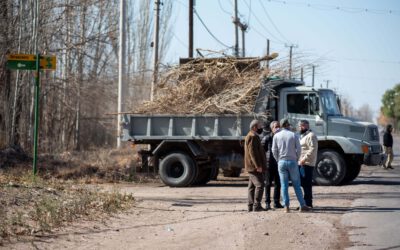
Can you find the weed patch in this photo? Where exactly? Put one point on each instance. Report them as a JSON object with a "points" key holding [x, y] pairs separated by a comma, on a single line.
{"points": [[36, 206]]}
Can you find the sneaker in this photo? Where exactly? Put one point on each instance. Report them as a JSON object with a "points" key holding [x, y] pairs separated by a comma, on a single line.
{"points": [[305, 209], [287, 210], [278, 205]]}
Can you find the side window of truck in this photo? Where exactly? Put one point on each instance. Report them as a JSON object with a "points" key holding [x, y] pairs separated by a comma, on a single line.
{"points": [[297, 103], [314, 104]]}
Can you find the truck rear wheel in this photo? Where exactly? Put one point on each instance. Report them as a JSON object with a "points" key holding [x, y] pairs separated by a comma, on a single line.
{"points": [[203, 176], [178, 170], [330, 168]]}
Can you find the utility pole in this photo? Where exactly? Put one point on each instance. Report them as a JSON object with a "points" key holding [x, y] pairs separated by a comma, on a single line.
{"points": [[327, 83], [121, 69], [235, 21], [290, 58], [243, 27], [267, 53], [191, 5], [155, 54], [313, 74], [302, 74]]}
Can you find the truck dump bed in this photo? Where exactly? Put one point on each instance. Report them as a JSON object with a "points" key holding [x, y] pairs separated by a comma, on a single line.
{"points": [[147, 128]]}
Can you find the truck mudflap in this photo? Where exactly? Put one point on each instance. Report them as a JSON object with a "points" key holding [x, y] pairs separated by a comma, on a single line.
{"points": [[374, 159]]}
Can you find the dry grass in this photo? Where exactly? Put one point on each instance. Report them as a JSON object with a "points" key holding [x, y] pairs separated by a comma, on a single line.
{"points": [[36, 206], [92, 166], [223, 86]]}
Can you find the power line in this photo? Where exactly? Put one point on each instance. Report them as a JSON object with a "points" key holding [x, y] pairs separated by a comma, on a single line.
{"points": [[262, 25], [179, 40], [272, 22], [365, 60], [222, 8], [209, 32], [248, 19], [327, 7]]}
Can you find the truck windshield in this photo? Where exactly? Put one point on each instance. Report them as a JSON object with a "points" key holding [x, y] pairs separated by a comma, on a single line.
{"points": [[329, 103]]}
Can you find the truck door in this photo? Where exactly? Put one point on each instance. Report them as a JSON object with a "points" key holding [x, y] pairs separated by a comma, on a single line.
{"points": [[305, 106]]}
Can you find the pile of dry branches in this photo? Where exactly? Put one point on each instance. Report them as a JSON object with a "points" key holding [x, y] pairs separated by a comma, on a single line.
{"points": [[219, 86]]}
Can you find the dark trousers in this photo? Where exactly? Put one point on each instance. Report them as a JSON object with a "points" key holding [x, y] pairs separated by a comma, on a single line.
{"points": [[255, 189], [306, 183], [273, 177]]}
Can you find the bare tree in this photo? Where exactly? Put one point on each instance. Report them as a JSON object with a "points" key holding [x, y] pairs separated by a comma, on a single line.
{"points": [[74, 99]]}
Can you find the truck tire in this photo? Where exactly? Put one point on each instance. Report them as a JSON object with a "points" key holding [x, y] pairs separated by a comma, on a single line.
{"points": [[214, 172], [330, 169], [178, 170], [203, 176], [351, 172]]}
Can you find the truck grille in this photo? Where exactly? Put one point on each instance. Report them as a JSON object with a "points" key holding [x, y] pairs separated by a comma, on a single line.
{"points": [[376, 149]]}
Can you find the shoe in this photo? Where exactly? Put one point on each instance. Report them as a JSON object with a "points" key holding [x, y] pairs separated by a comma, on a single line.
{"points": [[250, 208], [390, 167], [305, 209], [258, 209], [278, 205], [267, 207], [287, 210]]}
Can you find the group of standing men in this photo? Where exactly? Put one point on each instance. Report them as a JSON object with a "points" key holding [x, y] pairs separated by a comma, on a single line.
{"points": [[277, 155]]}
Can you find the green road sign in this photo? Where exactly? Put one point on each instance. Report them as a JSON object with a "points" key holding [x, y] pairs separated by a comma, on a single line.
{"points": [[19, 64]]}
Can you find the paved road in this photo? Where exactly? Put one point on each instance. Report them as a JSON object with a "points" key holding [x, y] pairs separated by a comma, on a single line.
{"points": [[374, 221]]}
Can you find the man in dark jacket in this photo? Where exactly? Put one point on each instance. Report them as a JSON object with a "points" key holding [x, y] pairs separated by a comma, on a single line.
{"points": [[388, 146], [273, 176], [255, 164]]}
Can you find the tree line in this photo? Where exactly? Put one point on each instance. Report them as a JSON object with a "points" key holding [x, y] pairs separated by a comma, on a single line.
{"points": [[74, 100], [391, 105]]}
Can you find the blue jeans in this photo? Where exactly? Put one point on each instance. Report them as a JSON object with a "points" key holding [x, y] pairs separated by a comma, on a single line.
{"points": [[289, 169]]}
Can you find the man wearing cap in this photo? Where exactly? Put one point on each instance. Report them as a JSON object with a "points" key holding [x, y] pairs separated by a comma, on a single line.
{"points": [[255, 164], [286, 150], [308, 159]]}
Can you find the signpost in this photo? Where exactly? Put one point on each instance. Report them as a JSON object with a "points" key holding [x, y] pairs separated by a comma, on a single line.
{"points": [[37, 63]]}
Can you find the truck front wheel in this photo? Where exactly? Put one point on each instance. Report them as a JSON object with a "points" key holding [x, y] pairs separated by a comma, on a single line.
{"points": [[352, 172], [330, 168], [177, 170]]}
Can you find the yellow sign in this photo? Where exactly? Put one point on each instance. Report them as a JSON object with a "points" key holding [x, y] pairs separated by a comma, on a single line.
{"points": [[48, 62], [21, 57]]}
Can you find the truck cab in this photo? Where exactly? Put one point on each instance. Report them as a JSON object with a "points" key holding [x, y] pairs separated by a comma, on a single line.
{"points": [[344, 143]]}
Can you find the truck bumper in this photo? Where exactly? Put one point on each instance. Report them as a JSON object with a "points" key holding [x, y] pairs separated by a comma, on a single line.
{"points": [[374, 159]]}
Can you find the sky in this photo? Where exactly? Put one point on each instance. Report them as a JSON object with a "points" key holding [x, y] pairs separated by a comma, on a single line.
{"points": [[354, 43]]}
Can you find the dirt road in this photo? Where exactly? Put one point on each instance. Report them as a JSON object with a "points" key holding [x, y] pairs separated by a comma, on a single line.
{"points": [[363, 215]]}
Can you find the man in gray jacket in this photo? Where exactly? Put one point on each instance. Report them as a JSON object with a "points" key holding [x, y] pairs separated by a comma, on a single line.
{"points": [[286, 150]]}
